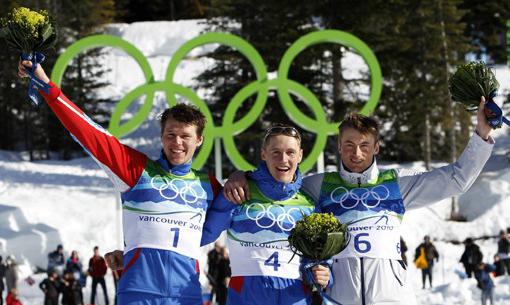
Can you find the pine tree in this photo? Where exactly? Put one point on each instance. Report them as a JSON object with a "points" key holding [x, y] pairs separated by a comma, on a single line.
{"points": [[270, 27], [415, 98], [139, 10], [85, 75], [486, 27]]}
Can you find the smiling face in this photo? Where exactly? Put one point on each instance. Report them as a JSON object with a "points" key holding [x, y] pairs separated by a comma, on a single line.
{"points": [[282, 155], [180, 141], [357, 150]]}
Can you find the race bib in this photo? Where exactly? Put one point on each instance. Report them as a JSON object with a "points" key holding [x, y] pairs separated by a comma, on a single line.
{"points": [[377, 237], [274, 259], [180, 232]]}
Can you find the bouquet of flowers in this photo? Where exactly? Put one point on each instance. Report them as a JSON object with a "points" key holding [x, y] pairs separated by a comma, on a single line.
{"points": [[318, 236], [29, 32], [472, 81]]}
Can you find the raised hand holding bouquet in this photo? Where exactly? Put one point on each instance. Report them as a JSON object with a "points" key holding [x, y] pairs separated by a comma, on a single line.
{"points": [[472, 81], [29, 32], [317, 238]]}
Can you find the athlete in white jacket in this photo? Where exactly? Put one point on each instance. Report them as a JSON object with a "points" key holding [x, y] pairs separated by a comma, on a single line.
{"points": [[370, 271]]}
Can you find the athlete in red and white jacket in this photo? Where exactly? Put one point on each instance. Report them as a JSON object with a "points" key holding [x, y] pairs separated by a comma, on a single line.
{"points": [[164, 201]]}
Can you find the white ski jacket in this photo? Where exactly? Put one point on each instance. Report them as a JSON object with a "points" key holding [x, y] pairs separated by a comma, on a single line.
{"points": [[378, 281]]}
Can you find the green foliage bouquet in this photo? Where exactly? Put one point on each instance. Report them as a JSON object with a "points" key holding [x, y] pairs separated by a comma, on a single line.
{"points": [[318, 236], [472, 81], [29, 32]]}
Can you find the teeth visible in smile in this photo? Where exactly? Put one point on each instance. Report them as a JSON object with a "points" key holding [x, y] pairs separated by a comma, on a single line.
{"points": [[283, 168], [177, 151]]}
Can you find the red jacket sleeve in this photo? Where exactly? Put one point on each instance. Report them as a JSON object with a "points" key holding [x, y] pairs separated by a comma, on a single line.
{"points": [[123, 164]]}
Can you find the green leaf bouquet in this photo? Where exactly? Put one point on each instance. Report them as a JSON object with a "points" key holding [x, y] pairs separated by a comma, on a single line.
{"points": [[28, 31], [318, 236], [472, 81]]}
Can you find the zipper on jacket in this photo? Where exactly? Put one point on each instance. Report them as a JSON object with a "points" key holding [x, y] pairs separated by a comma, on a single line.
{"points": [[362, 281], [359, 181]]}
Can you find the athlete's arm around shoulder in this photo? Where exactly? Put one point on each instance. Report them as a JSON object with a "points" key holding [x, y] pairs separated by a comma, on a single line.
{"points": [[423, 188], [218, 218], [123, 164], [312, 186]]}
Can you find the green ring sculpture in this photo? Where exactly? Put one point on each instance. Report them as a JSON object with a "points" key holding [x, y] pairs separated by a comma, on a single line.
{"points": [[261, 86]]}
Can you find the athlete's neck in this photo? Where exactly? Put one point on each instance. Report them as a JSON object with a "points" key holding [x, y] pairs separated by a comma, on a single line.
{"points": [[368, 175], [179, 169]]}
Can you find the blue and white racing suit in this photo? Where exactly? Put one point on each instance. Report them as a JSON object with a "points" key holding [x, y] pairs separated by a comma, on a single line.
{"points": [[264, 269]]}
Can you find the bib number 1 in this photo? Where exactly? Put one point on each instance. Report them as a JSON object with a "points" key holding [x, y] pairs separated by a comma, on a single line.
{"points": [[176, 236], [273, 261]]}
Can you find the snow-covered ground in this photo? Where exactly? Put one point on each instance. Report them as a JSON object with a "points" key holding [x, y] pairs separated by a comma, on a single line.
{"points": [[77, 199]]}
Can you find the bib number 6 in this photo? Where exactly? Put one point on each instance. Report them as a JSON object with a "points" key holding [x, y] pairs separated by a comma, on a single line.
{"points": [[361, 245]]}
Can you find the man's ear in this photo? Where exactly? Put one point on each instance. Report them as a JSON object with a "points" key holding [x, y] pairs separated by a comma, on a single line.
{"points": [[300, 155]]}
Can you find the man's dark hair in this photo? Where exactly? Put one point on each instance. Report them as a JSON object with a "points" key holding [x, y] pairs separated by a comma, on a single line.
{"points": [[186, 114], [96, 248], [361, 123]]}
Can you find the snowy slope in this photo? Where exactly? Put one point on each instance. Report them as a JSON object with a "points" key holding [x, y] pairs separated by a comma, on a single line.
{"points": [[76, 198]]}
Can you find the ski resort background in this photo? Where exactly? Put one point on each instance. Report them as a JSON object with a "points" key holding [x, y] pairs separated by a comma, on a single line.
{"points": [[46, 203]]}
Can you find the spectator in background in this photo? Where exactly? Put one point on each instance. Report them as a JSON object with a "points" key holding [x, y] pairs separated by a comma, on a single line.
{"points": [[74, 265], [503, 248], [429, 251], [484, 282], [97, 270], [56, 260], [13, 297], [222, 277], [471, 257], [213, 261], [71, 291], [51, 288], [498, 264], [3, 269], [11, 273], [403, 250]]}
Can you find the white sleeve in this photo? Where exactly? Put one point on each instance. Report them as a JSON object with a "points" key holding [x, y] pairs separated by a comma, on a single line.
{"points": [[420, 189]]}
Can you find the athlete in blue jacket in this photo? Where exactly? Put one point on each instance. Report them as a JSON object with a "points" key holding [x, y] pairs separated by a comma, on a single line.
{"points": [[264, 270]]}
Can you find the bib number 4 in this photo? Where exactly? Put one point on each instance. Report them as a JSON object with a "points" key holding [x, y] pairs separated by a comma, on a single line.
{"points": [[272, 261]]}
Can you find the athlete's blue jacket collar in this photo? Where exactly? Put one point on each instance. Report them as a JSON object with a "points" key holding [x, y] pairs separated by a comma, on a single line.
{"points": [[179, 170], [274, 189]]}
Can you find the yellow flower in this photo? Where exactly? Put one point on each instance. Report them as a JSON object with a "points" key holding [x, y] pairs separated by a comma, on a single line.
{"points": [[28, 20]]}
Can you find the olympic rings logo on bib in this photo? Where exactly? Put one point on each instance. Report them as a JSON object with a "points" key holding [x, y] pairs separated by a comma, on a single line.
{"points": [[188, 192], [267, 216], [369, 197], [317, 122]]}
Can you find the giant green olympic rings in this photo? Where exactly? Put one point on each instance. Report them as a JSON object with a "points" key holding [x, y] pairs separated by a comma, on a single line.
{"points": [[260, 86]]}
